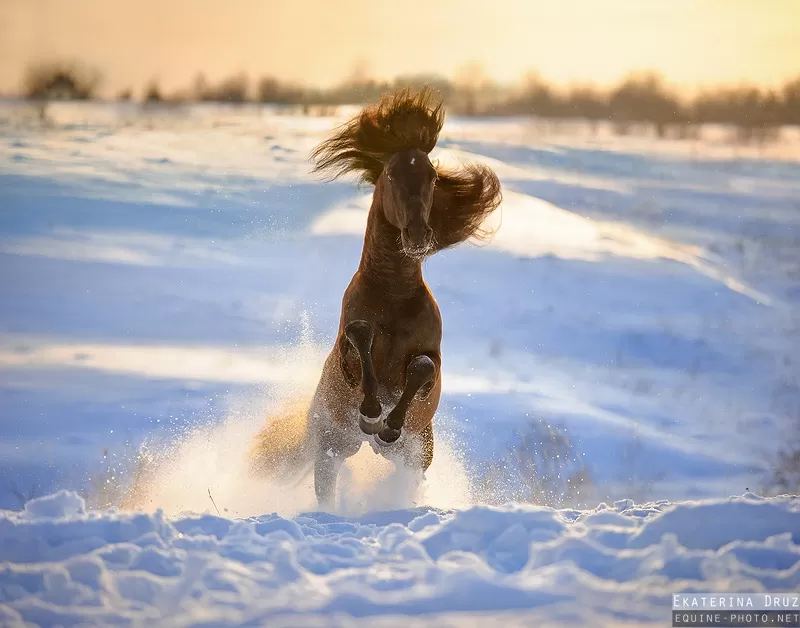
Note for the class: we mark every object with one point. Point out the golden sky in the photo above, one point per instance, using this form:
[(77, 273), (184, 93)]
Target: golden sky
[(691, 42)]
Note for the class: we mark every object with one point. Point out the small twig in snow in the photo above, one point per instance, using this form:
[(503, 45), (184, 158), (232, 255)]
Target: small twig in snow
[(213, 502)]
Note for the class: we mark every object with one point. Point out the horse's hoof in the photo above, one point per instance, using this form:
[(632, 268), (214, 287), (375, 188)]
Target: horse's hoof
[(370, 426), (387, 437), (371, 410)]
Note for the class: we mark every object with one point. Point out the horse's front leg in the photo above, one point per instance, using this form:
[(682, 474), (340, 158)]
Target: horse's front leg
[(420, 377), (359, 335)]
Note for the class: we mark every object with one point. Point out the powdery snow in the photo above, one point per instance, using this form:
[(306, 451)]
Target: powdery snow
[(171, 277), (521, 565)]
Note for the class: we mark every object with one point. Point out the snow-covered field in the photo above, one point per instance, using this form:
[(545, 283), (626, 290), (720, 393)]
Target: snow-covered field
[(518, 565), (168, 278)]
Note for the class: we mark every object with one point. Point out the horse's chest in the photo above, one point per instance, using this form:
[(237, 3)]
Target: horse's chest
[(391, 351)]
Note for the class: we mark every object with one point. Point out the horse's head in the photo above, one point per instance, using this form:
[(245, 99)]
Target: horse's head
[(407, 184)]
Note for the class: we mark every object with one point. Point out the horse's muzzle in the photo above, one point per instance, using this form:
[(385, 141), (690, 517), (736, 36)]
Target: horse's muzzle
[(417, 241)]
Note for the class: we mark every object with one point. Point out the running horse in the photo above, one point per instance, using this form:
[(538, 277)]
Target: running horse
[(382, 381)]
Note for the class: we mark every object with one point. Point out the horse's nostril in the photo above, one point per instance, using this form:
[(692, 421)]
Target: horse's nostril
[(417, 235)]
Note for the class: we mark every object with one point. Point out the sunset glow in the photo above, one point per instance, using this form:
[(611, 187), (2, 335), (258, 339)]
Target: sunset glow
[(316, 42)]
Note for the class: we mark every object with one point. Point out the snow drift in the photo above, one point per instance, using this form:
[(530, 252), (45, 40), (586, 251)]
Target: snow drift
[(615, 565)]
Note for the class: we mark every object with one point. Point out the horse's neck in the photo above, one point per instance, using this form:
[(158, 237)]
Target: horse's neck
[(383, 262)]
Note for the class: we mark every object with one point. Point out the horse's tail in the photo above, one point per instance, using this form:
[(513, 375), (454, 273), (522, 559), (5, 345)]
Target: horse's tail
[(283, 448)]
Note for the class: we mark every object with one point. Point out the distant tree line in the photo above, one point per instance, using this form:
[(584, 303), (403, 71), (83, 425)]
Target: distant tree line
[(637, 99)]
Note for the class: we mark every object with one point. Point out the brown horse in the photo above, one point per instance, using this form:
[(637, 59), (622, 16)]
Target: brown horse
[(382, 379)]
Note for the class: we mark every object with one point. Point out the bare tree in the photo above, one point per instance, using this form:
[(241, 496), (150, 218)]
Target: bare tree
[(61, 81), (152, 93), (645, 99)]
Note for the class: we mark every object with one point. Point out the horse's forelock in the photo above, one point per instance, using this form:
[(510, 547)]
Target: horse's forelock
[(401, 120)]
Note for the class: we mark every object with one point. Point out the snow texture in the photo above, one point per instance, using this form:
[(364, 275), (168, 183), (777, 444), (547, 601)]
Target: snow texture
[(615, 565)]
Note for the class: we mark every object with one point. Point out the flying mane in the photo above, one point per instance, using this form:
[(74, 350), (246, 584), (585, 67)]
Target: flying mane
[(463, 196)]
